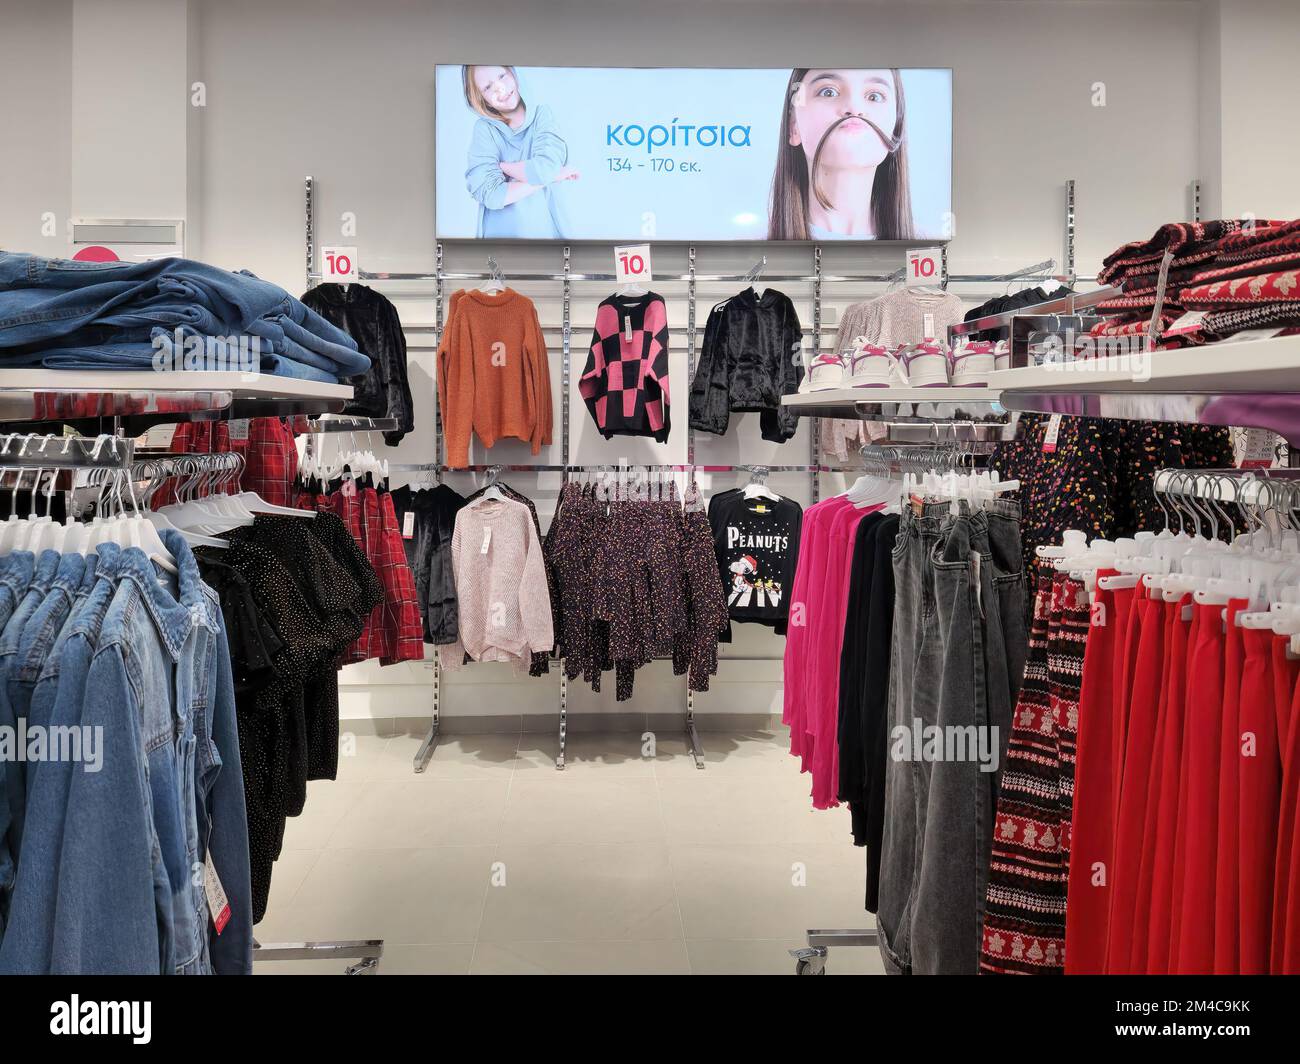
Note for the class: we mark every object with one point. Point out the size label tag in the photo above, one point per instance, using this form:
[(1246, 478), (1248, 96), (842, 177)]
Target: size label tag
[(487, 539), (338, 265), (408, 524), (218, 903), (349, 488), (1053, 430), (1188, 323), (924, 267), (632, 264), (1260, 449), (928, 327)]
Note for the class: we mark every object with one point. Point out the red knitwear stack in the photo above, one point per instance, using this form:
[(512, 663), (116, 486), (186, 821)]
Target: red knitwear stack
[(1233, 275)]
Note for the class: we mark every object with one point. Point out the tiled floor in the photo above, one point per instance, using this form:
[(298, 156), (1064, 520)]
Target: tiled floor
[(491, 861)]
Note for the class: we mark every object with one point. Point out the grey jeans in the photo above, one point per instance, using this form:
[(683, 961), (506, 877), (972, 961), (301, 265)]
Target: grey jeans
[(957, 658)]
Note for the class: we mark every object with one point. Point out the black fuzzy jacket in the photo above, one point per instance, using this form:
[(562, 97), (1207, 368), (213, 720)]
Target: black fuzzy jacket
[(428, 552), (372, 321), (749, 360)]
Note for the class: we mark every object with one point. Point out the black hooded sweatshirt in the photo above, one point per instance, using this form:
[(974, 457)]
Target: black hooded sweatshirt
[(749, 360)]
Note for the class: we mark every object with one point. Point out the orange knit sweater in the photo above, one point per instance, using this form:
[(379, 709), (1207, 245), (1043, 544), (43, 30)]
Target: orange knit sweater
[(494, 376)]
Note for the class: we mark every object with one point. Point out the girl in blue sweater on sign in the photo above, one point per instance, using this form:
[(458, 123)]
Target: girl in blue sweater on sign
[(516, 158)]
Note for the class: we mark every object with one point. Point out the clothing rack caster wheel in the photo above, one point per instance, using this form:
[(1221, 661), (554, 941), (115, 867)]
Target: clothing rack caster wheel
[(809, 960)]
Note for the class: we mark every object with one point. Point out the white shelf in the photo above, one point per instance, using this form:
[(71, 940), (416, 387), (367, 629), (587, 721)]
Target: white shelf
[(1243, 367), (240, 385), (849, 397)]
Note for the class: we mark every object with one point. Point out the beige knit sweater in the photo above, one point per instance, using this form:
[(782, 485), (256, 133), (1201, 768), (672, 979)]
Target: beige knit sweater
[(503, 602)]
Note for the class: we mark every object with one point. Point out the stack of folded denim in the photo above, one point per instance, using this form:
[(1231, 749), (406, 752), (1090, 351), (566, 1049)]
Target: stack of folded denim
[(164, 314)]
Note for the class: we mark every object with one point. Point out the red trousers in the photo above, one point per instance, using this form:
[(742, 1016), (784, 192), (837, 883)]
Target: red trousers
[(1152, 955), (1259, 797), (1139, 748), (1192, 935), (1285, 959), (1091, 829), (1227, 951)]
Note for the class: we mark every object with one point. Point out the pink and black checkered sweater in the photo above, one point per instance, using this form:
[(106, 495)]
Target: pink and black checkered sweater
[(625, 382)]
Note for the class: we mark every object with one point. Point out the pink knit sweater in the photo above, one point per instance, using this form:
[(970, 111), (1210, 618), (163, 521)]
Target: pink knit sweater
[(503, 603)]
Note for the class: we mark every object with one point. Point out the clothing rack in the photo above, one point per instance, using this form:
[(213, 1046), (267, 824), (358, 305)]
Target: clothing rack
[(351, 424), (431, 467), (1264, 488), (43, 451), (566, 276)]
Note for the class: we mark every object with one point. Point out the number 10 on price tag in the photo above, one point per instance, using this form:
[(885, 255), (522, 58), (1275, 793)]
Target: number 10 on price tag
[(339, 265), (924, 267), (632, 264)]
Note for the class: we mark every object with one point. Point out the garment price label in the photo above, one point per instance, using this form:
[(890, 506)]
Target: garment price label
[(632, 264), (218, 903), (924, 266), (927, 327), (1260, 449), (238, 428), (1187, 323), (627, 328), (487, 540), (1049, 437), (338, 265), (408, 524)]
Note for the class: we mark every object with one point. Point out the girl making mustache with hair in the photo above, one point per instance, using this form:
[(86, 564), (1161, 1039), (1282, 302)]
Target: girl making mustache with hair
[(841, 169)]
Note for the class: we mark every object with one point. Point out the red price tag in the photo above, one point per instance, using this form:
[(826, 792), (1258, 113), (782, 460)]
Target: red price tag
[(924, 267), (632, 265), (339, 265)]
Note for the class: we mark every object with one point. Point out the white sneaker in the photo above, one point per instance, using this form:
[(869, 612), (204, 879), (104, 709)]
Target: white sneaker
[(871, 366), (925, 364), (972, 362), (827, 372)]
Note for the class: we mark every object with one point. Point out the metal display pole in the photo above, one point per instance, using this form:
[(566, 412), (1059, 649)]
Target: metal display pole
[(692, 735), (1071, 276), (565, 339), (427, 747)]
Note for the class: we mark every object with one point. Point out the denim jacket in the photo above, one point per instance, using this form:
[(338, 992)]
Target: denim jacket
[(155, 687), (56, 702)]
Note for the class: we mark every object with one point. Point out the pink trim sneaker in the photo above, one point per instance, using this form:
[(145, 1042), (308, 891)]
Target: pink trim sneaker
[(871, 366), (925, 364), (826, 373), (972, 362)]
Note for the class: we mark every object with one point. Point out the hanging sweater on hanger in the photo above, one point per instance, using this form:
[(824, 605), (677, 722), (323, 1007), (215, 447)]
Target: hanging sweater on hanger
[(750, 359), (494, 377), (373, 322), (504, 607), (625, 382)]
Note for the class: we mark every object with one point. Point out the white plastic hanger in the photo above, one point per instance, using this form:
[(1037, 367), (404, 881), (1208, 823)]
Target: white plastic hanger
[(757, 487)]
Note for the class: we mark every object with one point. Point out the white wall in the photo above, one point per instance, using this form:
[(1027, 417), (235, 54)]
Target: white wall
[(35, 132), (1259, 82), (345, 92)]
